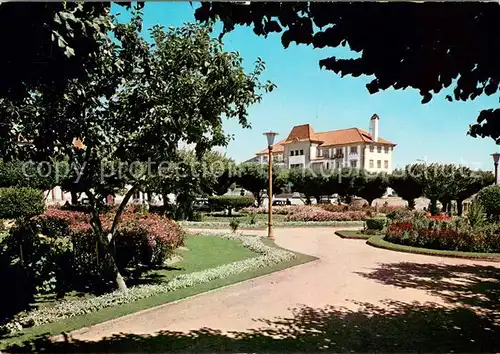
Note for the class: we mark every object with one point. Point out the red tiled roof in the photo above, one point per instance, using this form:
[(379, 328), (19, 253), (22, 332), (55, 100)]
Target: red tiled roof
[(301, 133), (330, 138), (349, 136), (278, 148)]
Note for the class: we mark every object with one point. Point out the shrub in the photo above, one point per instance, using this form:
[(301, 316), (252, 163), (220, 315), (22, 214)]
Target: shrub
[(399, 214), (60, 247), (229, 202), (253, 218), (375, 224), (20, 202), (475, 214), (234, 224), (489, 198)]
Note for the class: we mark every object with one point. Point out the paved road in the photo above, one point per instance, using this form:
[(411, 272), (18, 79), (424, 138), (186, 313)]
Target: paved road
[(347, 272)]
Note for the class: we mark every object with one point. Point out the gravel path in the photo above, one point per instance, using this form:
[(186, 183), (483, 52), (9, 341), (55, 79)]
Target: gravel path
[(348, 272)]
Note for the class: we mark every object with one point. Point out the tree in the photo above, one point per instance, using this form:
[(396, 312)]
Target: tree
[(254, 177), (479, 180), (49, 44), (134, 106), (309, 183), (430, 47), (442, 182), (405, 185), (373, 186), (192, 177), (219, 173), (345, 183)]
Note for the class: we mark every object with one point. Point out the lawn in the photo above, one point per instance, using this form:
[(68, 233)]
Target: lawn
[(352, 234), (203, 252)]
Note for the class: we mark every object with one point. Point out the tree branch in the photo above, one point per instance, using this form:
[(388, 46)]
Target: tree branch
[(121, 209)]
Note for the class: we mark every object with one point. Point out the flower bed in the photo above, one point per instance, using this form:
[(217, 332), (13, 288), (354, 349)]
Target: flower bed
[(71, 308), (61, 252), (453, 235), (314, 213)]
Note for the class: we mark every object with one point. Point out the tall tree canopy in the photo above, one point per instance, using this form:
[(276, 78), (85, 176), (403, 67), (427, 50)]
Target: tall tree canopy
[(47, 44), (132, 109), (430, 47)]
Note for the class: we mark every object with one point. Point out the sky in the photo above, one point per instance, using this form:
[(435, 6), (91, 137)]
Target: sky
[(434, 132)]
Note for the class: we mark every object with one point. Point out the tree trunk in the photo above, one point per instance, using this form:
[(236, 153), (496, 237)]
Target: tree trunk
[(460, 208), (107, 242), (229, 211), (258, 198), (74, 198), (433, 207), (118, 278)]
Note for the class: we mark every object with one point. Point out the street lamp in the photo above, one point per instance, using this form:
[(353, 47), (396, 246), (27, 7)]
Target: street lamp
[(270, 141), (496, 157)]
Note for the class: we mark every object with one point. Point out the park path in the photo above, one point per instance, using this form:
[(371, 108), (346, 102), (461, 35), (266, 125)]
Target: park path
[(348, 272)]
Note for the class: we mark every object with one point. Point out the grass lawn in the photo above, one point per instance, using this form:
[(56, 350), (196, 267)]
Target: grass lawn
[(379, 242), (352, 234), (203, 252)]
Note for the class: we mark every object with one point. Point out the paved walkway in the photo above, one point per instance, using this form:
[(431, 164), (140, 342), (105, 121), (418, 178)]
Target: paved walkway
[(347, 272)]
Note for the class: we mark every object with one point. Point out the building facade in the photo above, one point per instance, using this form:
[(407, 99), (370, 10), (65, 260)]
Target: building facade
[(352, 147)]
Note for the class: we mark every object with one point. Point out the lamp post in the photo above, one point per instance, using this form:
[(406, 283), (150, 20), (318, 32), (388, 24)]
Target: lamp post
[(270, 141), (496, 158)]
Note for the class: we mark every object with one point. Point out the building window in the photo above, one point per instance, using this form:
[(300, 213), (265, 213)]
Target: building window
[(371, 163), (379, 164), (371, 148), (354, 163), (292, 153), (327, 165), (301, 152), (386, 149), (338, 164), (354, 149), (386, 164), (379, 149)]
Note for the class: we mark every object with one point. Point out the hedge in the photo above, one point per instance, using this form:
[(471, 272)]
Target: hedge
[(229, 202), (22, 202)]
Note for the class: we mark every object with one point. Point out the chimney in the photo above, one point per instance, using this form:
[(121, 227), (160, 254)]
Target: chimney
[(374, 125)]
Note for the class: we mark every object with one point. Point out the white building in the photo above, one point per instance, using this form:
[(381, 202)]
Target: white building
[(352, 147)]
